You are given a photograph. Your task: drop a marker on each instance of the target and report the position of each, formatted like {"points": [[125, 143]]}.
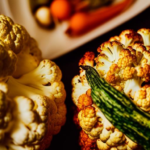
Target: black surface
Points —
{"points": [[67, 139]]}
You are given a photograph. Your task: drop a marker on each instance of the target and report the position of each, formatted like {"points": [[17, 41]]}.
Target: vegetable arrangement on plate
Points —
{"points": [[112, 94], [32, 95], [80, 16]]}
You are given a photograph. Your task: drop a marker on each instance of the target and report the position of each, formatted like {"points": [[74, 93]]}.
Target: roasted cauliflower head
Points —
{"points": [[124, 62], [32, 95]]}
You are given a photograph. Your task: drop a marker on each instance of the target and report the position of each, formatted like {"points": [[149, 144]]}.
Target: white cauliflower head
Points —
{"points": [[32, 95]]}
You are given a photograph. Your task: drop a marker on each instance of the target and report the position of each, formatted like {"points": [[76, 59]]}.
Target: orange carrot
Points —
{"points": [[82, 22]]}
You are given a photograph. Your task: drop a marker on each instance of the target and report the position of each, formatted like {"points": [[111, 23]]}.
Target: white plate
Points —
{"points": [[55, 43]]}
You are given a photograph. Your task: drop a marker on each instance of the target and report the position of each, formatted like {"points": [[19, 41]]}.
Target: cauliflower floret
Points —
{"points": [[39, 115], [142, 98], [7, 61], [101, 145], [43, 83], [79, 83], [23, 120], [17, 39], [28, 59], [87, 59], [79, 88], [83, 101], [127, 38], [14, 36], [87, 118], [109, 53], [31, 117], [116, 138], [145, 33], [96, 130], [86, 143], [46, 78]]}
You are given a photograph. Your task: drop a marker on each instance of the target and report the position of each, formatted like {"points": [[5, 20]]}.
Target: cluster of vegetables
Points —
{"points": [[112, 94], [32, 95], [80, 15]]}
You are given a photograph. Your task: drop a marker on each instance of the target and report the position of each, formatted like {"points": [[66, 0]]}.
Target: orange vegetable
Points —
{"points": [[81, 22], [61, 9], [86, 143]]}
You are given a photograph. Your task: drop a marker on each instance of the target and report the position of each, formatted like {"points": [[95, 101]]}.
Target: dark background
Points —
{"points": [[67, 139]]}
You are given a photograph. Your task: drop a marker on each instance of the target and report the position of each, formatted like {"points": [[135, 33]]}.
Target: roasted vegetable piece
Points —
{"points": [[32, 95]]}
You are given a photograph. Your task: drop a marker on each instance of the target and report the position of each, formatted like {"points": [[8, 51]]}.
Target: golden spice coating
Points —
{"points": [[111, 49], [88, 92], [80, 86], [113, 74], [128, 73], [142, 98], [87, 59], [84, 101], [116, 138], [86, 143], [126, 59], [144, 72]]}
